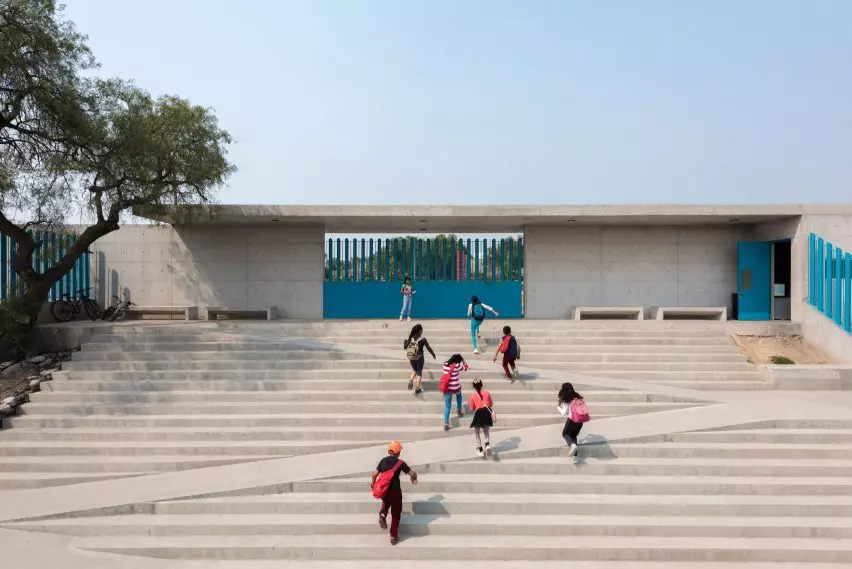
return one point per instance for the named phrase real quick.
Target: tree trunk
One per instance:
(36, 294)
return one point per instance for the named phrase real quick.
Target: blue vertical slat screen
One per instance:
(362, 279)
(49, 248)
(830, 281)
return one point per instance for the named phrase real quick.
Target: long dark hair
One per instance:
(416, 332)
(454, 359)
(474, 299)
(567, 393)
(477, 385)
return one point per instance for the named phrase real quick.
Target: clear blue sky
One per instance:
(462, 102)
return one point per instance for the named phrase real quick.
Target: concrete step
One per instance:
(737, 451)
(116, 464)
(431, 372)
(446, 525)
(757, 384)
(462, 332)
(529, 348)
(36, 480)
(427, 403)
(234, 449)
(210, 434)
(497, 386)
(400, 365)
(652, 466)
(514, 503)
(768, 436)
(398, 393)
(246, 421)
(650, 356)
(582, 484)
(505, 548)
(676, 377)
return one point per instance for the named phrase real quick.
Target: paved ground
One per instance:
(724, 408)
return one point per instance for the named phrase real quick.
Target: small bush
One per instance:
(781, 360)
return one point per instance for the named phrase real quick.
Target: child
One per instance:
(415, 346)
(392, 498)
(511, 352)
(483, 418)
(476, 313)
(407, 293)
(451, 384)
(572, 405)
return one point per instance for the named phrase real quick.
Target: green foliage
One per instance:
(70, 142)
(14, 329)
(781, 360)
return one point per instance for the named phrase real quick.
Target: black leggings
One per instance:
(570, 432)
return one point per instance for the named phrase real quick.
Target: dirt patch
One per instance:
(762, 349)
(11, 386)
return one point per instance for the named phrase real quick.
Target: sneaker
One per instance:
(394, 540)
(446, 427)
(383, 522)
(487, 449)
(408, 319)
(480, 453)
(401, 318)
(576, 460)
(418, 391)
(410, 384)
(515, 373)
(572, 450)
(460, 414)
(476, 351)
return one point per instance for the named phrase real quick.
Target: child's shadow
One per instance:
(510, 444)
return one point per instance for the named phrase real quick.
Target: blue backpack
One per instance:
(478, 312)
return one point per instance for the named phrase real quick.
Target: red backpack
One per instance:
(578, 411)
(444, 384)
(383, 482)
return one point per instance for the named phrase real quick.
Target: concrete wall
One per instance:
(214, 266)
(816, 328)
(582, 265)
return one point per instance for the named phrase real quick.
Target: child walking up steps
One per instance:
(483, 418)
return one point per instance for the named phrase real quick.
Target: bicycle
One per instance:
(69, 306)
(119, 309)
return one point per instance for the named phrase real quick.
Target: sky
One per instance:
(504, 102)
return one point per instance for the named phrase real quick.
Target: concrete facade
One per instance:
(214, 266)
(645, 266)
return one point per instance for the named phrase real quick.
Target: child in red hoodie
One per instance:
(511, 352)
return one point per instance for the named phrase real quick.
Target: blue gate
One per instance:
(363, 277)
(50, 247)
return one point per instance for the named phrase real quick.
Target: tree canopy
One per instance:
(72, 143)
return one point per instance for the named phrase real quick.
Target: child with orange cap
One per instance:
(392, 497)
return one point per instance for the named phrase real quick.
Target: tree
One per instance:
(72, 143)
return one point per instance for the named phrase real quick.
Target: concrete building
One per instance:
(753, 260)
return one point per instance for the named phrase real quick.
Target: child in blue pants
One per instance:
(476, 313)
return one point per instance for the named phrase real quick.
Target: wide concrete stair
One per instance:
(146, 399)
(773, 493)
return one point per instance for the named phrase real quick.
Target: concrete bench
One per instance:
(179, 312)
(691, 313)
(609, 313)
(262, 313)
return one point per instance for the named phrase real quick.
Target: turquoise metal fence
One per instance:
(50, 247)
(363, 276)
(830, 281)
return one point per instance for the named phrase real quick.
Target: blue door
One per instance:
(754, 280)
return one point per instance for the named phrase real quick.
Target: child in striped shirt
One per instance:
(451, 385)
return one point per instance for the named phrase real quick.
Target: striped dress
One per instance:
(454, 370)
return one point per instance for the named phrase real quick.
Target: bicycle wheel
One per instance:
(62, 310)
(91, 308)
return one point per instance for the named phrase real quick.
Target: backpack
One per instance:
(578, 411)
(413, 350)
(510, 348)
(383, 482)
(478, 312)
(444, 384)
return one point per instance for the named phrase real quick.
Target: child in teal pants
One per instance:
(476, 313)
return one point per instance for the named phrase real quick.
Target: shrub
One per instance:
(781, 360)
(14, 329)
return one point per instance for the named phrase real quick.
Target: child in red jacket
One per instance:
(511, 352)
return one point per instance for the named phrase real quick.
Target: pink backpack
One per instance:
(579, 412)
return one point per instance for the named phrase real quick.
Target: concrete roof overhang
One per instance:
(471, 219)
